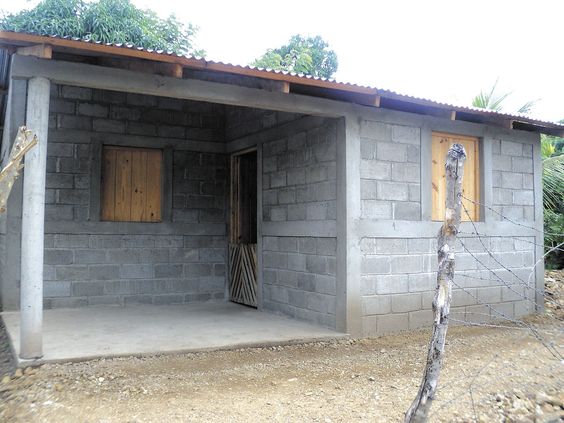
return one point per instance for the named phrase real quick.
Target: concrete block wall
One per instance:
(299, 277)
(86, 269)
(200, 187)
(242, 121)
(299, 176)
(399, 280)
(512, 176)
(399, 264)
(136, 262)
(390, 171)
(299, 185)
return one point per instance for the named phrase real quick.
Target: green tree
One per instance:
(108, 21)
(310, 56)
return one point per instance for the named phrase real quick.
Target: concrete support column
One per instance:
(349, 312)
(33, 220)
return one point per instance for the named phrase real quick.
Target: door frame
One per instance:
(258, 149)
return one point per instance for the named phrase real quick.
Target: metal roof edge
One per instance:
(16, 39)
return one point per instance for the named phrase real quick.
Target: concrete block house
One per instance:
(161, 179)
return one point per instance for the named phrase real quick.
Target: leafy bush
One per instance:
(554, 235)
(108, 21)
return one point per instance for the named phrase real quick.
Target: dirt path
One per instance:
(368, 380)
(490, 375)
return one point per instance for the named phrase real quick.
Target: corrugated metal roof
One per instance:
(212, 65)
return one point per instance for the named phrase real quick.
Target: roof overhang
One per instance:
(297, 83)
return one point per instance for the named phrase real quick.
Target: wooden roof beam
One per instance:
(170, 69)
(376, 100)
(43, 51)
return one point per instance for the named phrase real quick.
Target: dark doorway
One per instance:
(243, 237)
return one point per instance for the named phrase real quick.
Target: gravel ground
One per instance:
(489, 375)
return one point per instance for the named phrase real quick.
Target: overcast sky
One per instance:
(444, 50)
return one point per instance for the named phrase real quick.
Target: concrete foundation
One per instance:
(106, 331)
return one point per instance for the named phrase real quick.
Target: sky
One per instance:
(438, 49)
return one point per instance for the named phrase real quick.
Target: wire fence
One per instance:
(527, 290)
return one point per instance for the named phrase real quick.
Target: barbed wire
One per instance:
(450, 388)
(499, 278)
(518, 238)
(484, 325)
(541, 259)
(521, 285)
(487, 250)
(543, 232)
(493, 280)
(535, 332)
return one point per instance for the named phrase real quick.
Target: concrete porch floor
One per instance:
(106, 331)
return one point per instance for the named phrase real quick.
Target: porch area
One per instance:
(110, 331)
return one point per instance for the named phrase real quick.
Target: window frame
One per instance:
(477, 173)
(97, 144)
(112, 215)
(485, 138)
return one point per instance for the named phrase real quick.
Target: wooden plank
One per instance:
(108, 186)
(170, 69)
(234, 223)
(154, 185)
(438, 174)
(469, 188)
(377, 100)
(43, 51)
(243, 273)
(138, 185)
(123, 185)
(441, 142)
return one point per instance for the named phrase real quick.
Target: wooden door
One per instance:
(243, 228)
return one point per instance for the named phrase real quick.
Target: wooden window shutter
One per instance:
(131, 184)
(441, 142)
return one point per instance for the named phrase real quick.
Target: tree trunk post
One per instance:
(454, 167)
(33, 223)
(23, 143)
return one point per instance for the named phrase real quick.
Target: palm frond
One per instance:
(489, 100)
(553, 182)
(527, 107)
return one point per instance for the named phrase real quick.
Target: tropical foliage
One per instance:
(108, 21)
(552, 151)
(309, 56)
(492, 100)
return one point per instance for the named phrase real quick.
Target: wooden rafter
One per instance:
(43, 51)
